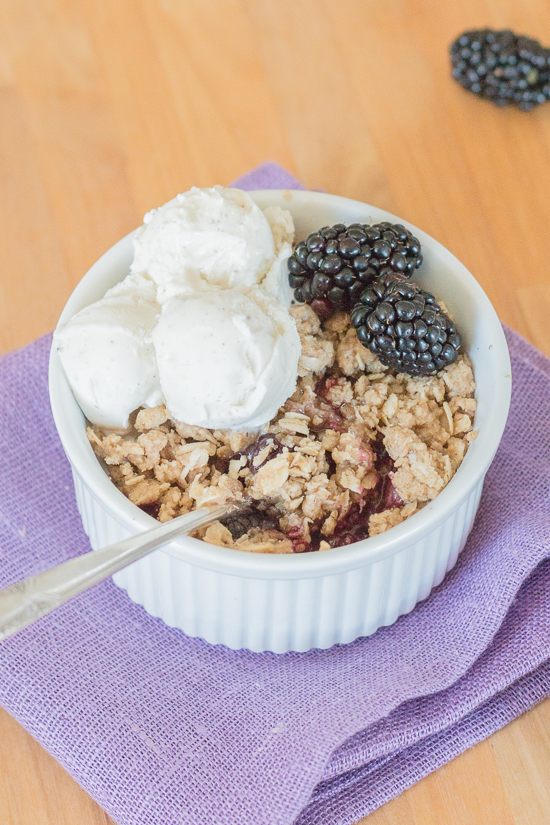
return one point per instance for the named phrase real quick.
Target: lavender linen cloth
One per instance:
(162, 729)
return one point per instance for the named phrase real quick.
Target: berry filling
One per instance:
(354, 525)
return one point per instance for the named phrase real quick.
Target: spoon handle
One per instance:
(23, 603)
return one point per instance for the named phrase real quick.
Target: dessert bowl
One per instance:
(308, 600)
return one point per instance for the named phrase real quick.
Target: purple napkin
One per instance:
(162, 729)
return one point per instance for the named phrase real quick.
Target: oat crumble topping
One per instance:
(356, 450)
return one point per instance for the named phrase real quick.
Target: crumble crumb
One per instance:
(380, 522)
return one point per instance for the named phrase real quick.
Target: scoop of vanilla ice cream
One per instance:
(108, 355)
(227, 359)
(213, 237)
(199, 324)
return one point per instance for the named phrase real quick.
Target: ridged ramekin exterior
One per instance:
(283, 614)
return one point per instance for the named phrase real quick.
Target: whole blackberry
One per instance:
(336, 263)
(405, 328)
(501, 66)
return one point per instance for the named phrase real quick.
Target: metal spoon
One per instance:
(23, 603)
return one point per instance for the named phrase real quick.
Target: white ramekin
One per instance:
(312, 600)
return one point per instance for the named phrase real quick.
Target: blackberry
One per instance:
(404, 326)
(335, 264)
(509, 69)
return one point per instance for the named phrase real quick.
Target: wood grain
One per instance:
(109, 109)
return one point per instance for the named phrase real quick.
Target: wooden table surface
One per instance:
(110, 108)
